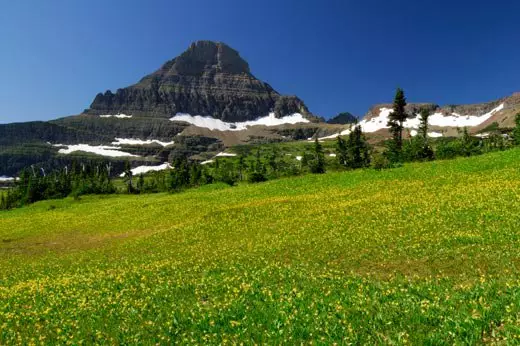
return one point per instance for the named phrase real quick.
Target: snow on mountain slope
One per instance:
(223, 154)
(137, 141)
(146, 169)
(436, 119)
(102, 150)
(119, 116)
(219, 125)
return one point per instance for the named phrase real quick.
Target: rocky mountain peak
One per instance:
(202, 56)
(208, 79)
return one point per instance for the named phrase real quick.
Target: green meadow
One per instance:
(427, 253)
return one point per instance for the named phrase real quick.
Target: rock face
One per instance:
(209, 79)
(343, 119)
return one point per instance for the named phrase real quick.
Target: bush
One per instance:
(380, 161)
(448, 150)
(256, 177)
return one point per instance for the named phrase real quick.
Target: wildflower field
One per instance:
(424, 254)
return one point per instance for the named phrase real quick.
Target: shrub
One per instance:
(256, 177)
(380, 161)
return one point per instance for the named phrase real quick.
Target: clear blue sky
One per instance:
(56, 55)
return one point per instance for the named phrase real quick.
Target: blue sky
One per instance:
(56, 55)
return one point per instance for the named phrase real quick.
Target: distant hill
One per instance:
(343, 119)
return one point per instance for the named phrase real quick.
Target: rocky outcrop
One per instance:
(209, 79)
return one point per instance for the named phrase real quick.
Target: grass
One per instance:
(424, 254)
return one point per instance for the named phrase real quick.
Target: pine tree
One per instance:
(3, 202)
(140, 183)
(396, 121)
(341, 151)
(423, 125)
(128, 177)
(195, 175)
(318, 164)
(516, 131)
(425, 150)
(241, 167)
(357, 149)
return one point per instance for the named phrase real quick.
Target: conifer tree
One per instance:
(241, 167)
(128, 177)
(425, 150)
(195, 175)
(396, 121)
(140, 183)
(357, 149)
(318, 164)
(341, 151)
(516, 131)
(423, 123)
(3, 202)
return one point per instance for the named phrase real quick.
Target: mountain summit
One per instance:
(208, 79)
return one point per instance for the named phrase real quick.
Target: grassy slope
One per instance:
(427, 253)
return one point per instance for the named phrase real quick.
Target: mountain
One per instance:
(343, 119)
(208, 79)
(194, 105)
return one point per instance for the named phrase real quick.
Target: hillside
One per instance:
(422, 254)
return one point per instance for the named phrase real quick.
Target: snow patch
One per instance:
(434, 134)
(223, 154)
(483, 135)
(146, 169)
(102, 150)
(4, 179)
(457, 120)
(334, 136)
(120, 116)
(137, 141)
(219, 125)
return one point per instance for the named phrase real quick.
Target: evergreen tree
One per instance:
(180, 176)
(423, 123)
(272, 162)
(468, 144)
(396, 121)
(140, 183)
(516, 131)
(318, 163)
(258, 174)
(425, 150)
(341, 151)
(241, 167)
(195, 174)
(357, 149)
(3, 202)
(128, 177)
